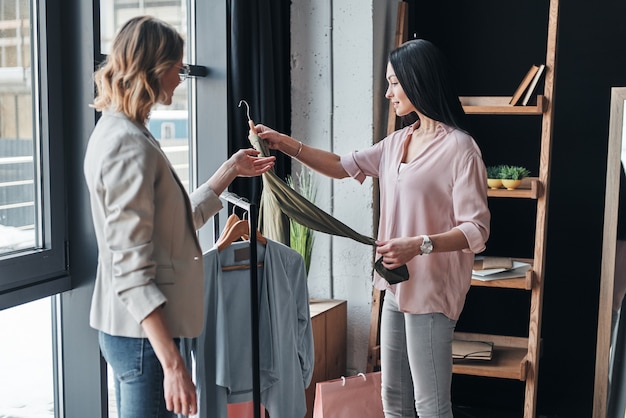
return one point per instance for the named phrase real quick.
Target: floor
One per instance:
(467, 412)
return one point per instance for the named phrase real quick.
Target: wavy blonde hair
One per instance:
(128, 81)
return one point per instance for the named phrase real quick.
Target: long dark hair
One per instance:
(423, 73)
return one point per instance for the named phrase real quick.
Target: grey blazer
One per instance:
(145, 224)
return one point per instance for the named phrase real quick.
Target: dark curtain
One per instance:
(259, 74)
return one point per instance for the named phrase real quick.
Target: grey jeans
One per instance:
(416, 362)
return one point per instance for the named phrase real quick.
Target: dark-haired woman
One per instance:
(433, 218)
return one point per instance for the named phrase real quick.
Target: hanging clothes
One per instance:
(301, 210)
(223, 351)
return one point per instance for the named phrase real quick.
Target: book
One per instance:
(528, 78)
(519, 269)
(472, 350)
(487, 262)
(533, 84)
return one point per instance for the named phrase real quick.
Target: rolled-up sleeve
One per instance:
(470, 204)
(128, 197)
(364, 163)
(349, 164)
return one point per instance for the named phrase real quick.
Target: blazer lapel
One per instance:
(189, 217)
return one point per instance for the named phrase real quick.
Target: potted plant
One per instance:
(512, 176)
(300, 236)
(494, 179)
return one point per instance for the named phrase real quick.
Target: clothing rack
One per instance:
(253, 214)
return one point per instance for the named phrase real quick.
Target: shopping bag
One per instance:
(243, 410)
(349, 397)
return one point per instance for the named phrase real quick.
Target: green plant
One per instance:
(301, 237)
(494, 171)
(513, 172)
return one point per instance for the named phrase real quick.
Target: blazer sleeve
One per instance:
(204, 204)
(129, 224)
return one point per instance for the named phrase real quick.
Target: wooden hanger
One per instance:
(232, 219)
(238, 230)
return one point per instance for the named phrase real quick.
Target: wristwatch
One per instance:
(427, 245)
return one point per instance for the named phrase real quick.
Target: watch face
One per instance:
(427, 246)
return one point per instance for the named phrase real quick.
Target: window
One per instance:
(27, 377)
(17, 187)
(32, 215)
(168, 124)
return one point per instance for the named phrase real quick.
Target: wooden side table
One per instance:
(329, 319)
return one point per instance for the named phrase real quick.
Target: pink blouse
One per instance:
(444, 187)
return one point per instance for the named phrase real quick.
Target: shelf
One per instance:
(499, 105)
(529, 189)
(508, 362)
(524, 283)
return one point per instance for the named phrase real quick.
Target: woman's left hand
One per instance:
(398, 251)
(249, 165)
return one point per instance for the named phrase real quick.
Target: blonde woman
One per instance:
(149, 281)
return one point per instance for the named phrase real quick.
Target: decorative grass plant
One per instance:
(301, 237)
(494, 171)
(513, 172)
(509, 176)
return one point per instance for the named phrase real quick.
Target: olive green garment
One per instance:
(277, 197)
(272, 222)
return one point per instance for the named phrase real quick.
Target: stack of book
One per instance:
(497, 268)
(527, 86)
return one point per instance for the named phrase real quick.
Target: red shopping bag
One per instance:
(349, 397)
(243, 410)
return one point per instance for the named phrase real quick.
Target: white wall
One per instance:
(334, 74)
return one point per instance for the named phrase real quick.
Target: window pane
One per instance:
(33, 256)
(18, 197)
(168, 124)
(26, 377)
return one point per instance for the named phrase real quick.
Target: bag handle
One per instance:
(343, 378)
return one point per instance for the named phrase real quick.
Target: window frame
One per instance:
(32, 274)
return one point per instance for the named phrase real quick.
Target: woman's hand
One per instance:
(272, 138)
(179, 391)
(398, 251)
(243, 163)
(248, 164)
(277, 141)
(325, 162)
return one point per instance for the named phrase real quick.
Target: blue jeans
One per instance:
(138, 376)
(416, 362)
